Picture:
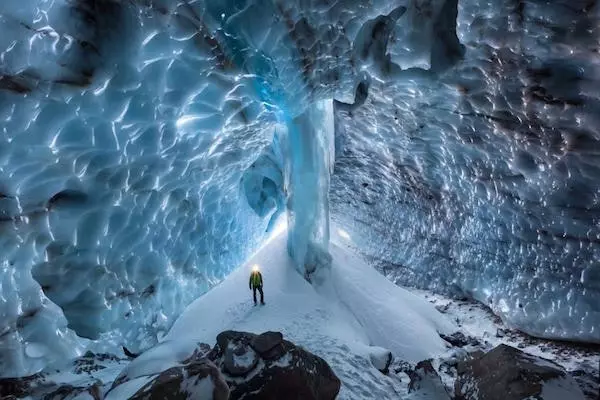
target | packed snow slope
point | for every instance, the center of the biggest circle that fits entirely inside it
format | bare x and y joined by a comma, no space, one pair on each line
147,145
348,314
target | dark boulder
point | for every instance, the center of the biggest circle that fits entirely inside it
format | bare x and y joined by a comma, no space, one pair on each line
507,373
283,370
239,359
200,379
268,345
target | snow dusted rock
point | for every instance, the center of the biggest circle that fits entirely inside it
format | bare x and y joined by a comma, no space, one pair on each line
239,357
85,377
200,379
283,371
269,345
381,359
425,383
506,373
458,339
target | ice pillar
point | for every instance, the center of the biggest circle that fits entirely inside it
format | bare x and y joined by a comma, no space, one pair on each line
310,149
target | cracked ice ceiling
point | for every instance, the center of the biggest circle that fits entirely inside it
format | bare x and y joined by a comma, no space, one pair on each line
140,159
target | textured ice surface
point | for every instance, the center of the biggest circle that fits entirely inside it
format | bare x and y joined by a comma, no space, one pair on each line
310,155
140,159
478,176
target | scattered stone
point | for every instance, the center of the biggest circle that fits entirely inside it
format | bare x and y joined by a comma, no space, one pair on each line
49,384
443,308
458,339
506,373
68,392
402,366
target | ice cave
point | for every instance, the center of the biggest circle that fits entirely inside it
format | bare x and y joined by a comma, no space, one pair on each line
385,162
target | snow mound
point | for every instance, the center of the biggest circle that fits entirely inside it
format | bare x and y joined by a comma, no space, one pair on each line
344,316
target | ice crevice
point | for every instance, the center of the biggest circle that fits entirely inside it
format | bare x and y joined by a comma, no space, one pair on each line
148,147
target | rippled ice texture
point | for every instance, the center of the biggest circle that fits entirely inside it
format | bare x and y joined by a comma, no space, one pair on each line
141,156
477,171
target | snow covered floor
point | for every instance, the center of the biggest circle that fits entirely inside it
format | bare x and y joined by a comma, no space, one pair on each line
342,317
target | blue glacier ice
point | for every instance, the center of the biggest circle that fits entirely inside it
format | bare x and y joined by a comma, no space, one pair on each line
148,146
310,146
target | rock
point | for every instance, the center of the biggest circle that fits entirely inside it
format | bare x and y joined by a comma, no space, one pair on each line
200,379
425,383
283,370
268,345
239,360
458,339
381,359
50,384
506,373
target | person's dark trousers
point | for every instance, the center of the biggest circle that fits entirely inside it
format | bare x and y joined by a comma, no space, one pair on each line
262,296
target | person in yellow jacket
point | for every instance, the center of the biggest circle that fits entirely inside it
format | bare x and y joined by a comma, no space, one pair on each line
256,283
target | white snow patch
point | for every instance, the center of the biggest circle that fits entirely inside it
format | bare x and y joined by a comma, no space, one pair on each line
380,357
245,360
283,361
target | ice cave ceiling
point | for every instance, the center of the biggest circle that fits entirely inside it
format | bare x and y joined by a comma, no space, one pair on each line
141,154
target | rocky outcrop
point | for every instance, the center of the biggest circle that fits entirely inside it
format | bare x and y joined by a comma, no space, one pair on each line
268,367
240,365
51,385
199,379
506,373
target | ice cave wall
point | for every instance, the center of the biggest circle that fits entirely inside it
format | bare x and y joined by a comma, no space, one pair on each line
141,157
481,179
142,154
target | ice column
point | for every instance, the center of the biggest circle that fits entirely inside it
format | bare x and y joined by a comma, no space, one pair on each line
310,150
